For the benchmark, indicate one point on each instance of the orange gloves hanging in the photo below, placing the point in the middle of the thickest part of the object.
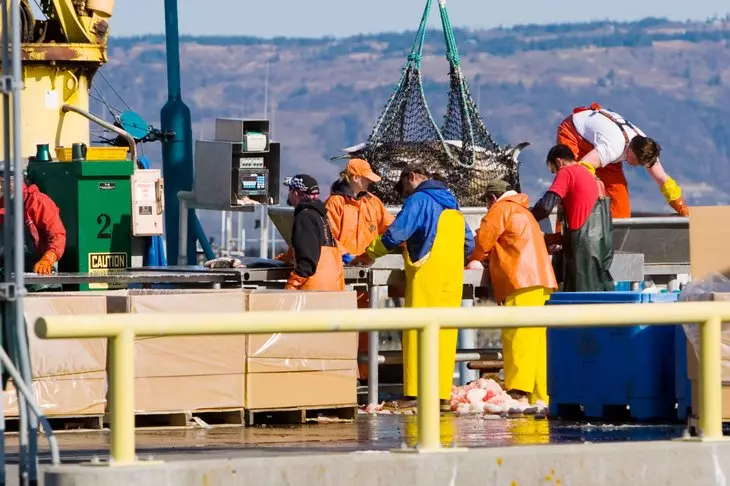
(295, 282)
(45, 264)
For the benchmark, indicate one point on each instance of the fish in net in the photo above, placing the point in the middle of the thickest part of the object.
(461, 152)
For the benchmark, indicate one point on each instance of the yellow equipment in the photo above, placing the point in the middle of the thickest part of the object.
(60, 56)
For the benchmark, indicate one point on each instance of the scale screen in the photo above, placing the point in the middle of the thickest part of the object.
(252, 183)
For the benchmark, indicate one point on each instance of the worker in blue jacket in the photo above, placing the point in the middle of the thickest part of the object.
(438, 243)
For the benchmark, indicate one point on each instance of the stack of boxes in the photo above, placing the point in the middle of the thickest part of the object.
(195, 373)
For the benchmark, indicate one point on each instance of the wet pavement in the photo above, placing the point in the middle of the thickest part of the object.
(367, 433)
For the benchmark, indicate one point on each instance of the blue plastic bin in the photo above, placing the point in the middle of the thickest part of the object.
(612, 372)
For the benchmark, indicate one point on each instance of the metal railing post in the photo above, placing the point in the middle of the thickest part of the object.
(121, 399)
(429, 414)
(710, 420)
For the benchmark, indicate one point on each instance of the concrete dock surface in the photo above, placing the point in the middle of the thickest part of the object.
(510, 452)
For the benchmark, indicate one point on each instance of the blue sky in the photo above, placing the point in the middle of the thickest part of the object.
(315, 18)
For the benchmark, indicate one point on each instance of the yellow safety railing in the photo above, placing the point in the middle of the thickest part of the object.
(121, 329)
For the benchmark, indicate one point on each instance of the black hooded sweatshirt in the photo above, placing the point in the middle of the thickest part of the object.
(310, 232)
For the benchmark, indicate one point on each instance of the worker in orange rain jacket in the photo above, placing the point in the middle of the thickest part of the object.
(318, 259)
(45, 235)
(521, 275)
(603, 139)
(356, 218)
(438, 243)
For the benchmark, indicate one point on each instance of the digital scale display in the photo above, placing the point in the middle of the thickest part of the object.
(253, 182)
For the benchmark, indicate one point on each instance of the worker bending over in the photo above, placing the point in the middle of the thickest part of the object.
(603, 139)
(356, 217)
(45, 235)
(521, 275)
(587, 228)
(438, 242)
(318, 261)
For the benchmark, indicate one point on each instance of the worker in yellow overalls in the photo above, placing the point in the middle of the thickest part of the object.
(521, 275)
(438, 243)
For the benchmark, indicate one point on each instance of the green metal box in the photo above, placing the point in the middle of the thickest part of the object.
(95, 201)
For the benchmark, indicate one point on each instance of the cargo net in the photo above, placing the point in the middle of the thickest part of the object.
(462, 153)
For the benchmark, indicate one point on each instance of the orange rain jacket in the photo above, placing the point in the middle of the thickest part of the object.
(511, 237)
(356, 219)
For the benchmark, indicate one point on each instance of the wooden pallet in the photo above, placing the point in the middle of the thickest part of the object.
(301, 415)
(196, 419)
(61, 423)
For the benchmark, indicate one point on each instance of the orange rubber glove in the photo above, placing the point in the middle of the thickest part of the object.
(295, 282)
(680, 206)
(45, 264)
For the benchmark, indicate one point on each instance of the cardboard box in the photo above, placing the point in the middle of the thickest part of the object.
(693, 340)
(341, 345)
(708, 240)
(321, 389)
(725, 400)
(189, 373)
(68, 374)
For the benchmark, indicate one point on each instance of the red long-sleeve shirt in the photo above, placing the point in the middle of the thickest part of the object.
(43, 220)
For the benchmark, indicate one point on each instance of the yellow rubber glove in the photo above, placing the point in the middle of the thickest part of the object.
(588, 166)
(45, 264)
(377, 248)
(671, 190)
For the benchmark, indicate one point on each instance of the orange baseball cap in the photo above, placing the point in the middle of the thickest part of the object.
(360, 167)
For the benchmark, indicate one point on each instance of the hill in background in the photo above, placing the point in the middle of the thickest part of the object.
(672, 79)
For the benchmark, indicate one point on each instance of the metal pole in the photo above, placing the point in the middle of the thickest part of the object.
(177, 154)
(429, 414)
(18, 254)
(710, 379)
(373, 350)
(264, 233)
(7, 228)
(183, 209)
(121, 403)
(467, 340)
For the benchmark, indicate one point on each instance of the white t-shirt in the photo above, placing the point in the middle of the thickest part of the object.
(605, 136)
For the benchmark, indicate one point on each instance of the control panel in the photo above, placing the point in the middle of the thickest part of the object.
(239, 168)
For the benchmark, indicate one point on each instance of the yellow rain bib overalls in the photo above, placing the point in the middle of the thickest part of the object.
(436, 280)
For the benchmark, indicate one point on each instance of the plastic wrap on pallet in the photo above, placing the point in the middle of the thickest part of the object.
(188, 373)
(326, 346)
(68, 374)
(714, 286)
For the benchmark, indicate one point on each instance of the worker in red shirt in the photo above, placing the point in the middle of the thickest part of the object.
(587, 227)
(603, 139)
(45, 235)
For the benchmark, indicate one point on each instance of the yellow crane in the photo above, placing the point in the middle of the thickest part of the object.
(60, 55)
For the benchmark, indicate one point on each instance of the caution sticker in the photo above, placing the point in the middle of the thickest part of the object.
(104, 264)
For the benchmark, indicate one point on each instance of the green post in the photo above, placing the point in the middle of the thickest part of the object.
(177, 154)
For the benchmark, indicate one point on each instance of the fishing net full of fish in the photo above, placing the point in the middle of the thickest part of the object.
(462, 151)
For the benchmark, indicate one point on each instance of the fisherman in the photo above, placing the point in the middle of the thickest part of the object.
(356, 217)
(587, 227)
(318, 260)
(45, 234)
(438, 243)
(603, 139)
(521, 275)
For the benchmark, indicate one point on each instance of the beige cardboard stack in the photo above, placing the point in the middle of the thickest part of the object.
(186, 373)
(709, 237)
(196, 373)
(300, 370)
(69, 375)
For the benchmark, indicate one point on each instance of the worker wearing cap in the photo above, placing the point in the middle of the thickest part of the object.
(356, 217)
(318, 260)
(603, 140)
(521, 275)
(45, 234)
(438, 243)
(587, 228)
